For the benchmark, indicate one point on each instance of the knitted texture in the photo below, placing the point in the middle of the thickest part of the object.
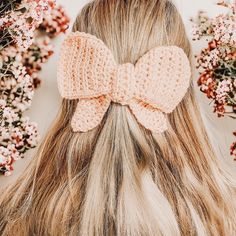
(155, 85)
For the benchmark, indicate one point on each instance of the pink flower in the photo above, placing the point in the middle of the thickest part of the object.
(55, 21)
(222, 90)
(9, 115)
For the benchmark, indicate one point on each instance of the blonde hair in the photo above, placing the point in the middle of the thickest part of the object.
(119, 178)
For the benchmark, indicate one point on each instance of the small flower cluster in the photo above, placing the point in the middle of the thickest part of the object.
(17, 135)
(16, 85)
(18, 24)
(217, 62)
(55, 22)
(21, 58)
(36, 55)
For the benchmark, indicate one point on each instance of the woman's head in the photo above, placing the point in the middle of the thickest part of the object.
(131, 28)
(119, 178)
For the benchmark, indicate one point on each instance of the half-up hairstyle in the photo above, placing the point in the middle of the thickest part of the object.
(119, 178)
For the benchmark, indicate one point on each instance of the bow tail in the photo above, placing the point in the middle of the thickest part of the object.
(89, 113)
(151, 118)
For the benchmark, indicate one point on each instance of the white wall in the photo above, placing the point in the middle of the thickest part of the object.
(47, 99)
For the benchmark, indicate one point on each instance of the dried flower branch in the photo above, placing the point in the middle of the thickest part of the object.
(21, 58)
(217, 62)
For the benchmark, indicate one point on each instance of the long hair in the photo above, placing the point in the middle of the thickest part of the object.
(119, 178)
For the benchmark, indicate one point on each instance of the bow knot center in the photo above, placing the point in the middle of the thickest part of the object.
(123, 83)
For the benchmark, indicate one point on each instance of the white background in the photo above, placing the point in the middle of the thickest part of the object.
(46, 101)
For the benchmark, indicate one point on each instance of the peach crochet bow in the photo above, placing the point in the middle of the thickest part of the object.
(153, 86)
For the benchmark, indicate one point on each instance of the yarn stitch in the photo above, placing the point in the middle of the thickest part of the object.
(153, 87)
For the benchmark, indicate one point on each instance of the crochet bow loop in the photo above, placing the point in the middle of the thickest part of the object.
(163, 77)
(84, 67)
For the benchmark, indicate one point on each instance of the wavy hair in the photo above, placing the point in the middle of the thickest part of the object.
(119, 178)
